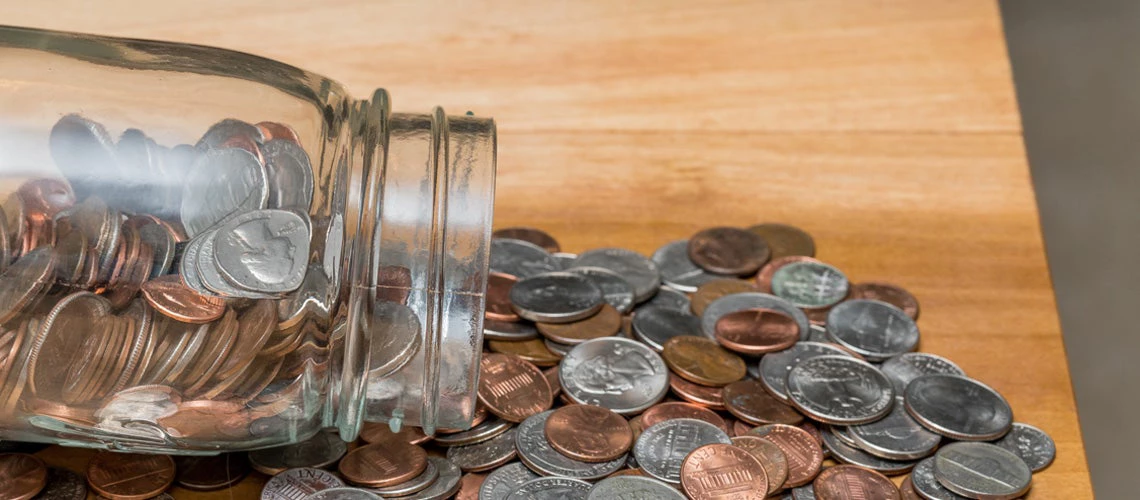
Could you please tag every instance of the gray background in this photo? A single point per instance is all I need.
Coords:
(1076, 66)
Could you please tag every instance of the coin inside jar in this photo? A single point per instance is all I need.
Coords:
(498, 306)
(757, 331)
(728, 250)
(703, 361)
(588, 433)
(848, 481)
(715, 470)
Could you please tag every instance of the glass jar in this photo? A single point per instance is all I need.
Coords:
(204, 250)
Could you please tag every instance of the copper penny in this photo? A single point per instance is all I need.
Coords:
(379, 432)
(383, 464)
(129, 476)
(170, 296)
(46, 197)
(551, 375)
(810, 428)
(804, 454)
(757, 331)
(907, 491)
(740, 427)
(498, 306)
(715, 289)
(588, 433)
(748, 401)
(469, 486)
(245, 142)
(718, 471)
(529, 235)
(628, 472)
(675, 409)
(211, 473)
(255, 326)
(703, 361)
(274, 130)
(712, 397)
(207, 421)
(771, 457)
(512, 389)
(764, 277)
(728, 250)
(605, 323)
(531, 350)
(21, 476)
(844, 482)
(784, 240)
(892, 294)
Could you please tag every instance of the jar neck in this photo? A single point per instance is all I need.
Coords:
(417, 227)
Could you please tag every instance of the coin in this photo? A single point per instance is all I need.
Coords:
(263, 251)
(889, 293)
(375, 432)
(127, 476)
(896, 437)
(62, 484)
(21, 476)
(632, 486)
(511, 388)
(552, 488)
(469, 486)
(170, 296)
(565, 260)
(703, 361)
(710, 291)
(535, 451)
(210, 473)
(712, 397)
(904, 368)
(958, 407)
(639, 271)
(498, 306)
(502, 481)
(588, 433)
(839, 390)
(907, 491)
(289, 175)
(413, 485)
(1035, 447)
(222, 182)
(770, 456)
(668, 298)
(225, 129)
(616, 291)
(508, 331)
(160, 240)
(383, 464)
(810, 284)
(845, 453)
(531, 235)
(319, 451)
(678, 270)
(298, 484)
(667, 411)
(606, 322)
(751, 300)
(656, 325)
(556, 298)
(756, 331)
(661, 448)
(620, 374)
(981, 470)
(60, 338)
(445, 486)
(716, 470)
(847, 481)
(520, 259)
(484, 455)
(24, 280)
(343, 493)
(927, 486)
(748, 401)
(728, 250)
(84, 151)
(784, 240)
(480, 432)
(800, 448)
(274, 130)
(875, 330)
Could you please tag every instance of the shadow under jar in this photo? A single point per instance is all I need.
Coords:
(203, 250)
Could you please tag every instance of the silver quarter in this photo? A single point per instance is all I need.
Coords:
(396, 337)
(902, 369)
(222, 182)
(208, 273)
(551, 488)
(669, 298)
(162, 242)
(774, 367)
(805, 492)
(751, 300)
(557, 347)
(484, 455)
(616, 291)
(896, 437)
(656, 325)
(958, 407)
(290, 175)
(661, 448)
(556, 297)
(63, 484)
(345, 493)
(623, 375)
(264, 251)
(502, 481)
(222, 131)
(926, 485)
(446, 485)
(535, 451)
(1035, 447)
(631, 487)
(844, 453)
(818, 334)
(840, 390)
(639, 271)
(876, 330)
(565, 259)
(810, 284)
(485, 430)
(508, 330)
(298, 484)
(413, 485)
(678, 270)
(521, 259)
(319, 451)
(84, 151)
(840, 432)
(981, 470)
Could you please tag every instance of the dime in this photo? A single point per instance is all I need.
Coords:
(606, 322)
(800, 448)
(667, 411)
(981, 470)
(170, 296)
(715, 470)
(840, 390)
(748, 401)
(556, 298)
(413, 485)
(63, 484)
(886, 292)
(383, 464)
(445, 486)
(678, 270)
(771, 458)
(875, 330)
(588, 433)
(1031, 444)
(263, 251)
(343, 493)
(784, 240)
(535, 451)
(160, 240)
(616, 291)
(396, 338)
(484, 455)
(222, 182)
(712, 397)
(847, 481)
(620, 374)
(661, 448)
(844, 453)
(904, 368)
(551, 488)
(298, 484)
(565, 259)
(632, 486)
(703, 361)
(531, 235)
(639, 271)
(656, 325)
(480, 432)
(21, 476)
(126, 476)
(751, 300)
(668, 298)
(810, 284)
(508, 331)
(511, 388)
(958, 407)
(318, 452)
(728, 250)
(896, 437)
(210, 473)
(502, 481)
(927, 486)
(498, 306)
(756, 331)
(520, 259)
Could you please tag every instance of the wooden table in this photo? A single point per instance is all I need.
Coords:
(889, 130)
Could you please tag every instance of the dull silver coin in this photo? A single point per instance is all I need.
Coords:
(396, 337)
(63, 484)
(502, 481)
(558, 297)
(901, 369)
(810, 284)
(847, 454)
(805, 492)
(922, 477)
(840, 390)
(486, 429)
(535, 451)
(818, 334)
(895, 437)
(565, 259)
(321, 450)
(509, 330)
(413, 485)
(207, 271)
(616, 291)
(84, 152)
(774, 367)
(521, 259)
(551, 488)
(162, 243)
(345, 493)
(1035, 447)
(840, 432)
(557, 347)
(298, 484)
(958, 407)
(223, 130)
(662, 447)
(751, 300)
(639, 271)
(623, 375)
(446, 485)
(982, 470)
(290, 175)
(876, 330)
(656, 325)
(484, 455)
(631, 487)
(222, 182)
(264, 251)
(678, 270)
(669, 298)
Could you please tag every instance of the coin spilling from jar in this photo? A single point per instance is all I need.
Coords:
(726, 378)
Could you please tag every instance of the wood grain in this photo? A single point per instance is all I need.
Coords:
(889, 130)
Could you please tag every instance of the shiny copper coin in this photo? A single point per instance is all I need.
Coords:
(469, 486)
(170, 296)
(748, 401)
(784, 240)
(129, 476)
(757, 331)
(208, 421)
(244, 142)
(712, 397)
(907, 491)
(379, 432)
(740, 428)
(804, 454)
(606, 322)
(588, 433)
(810, 428)
(211, 473)
(715, 289)
(529, 235)
(764, 277)
(771, 457)
(844, 482)
(892, 294)
(498, 306)
(551, 375)
(703, 361)
(274, 130)
(511, 388)
(532, 350)
(383, 464)
(21, 476)
(674, 409)
(629, 472)
(46, 197)
(728, 250)
(718, 471)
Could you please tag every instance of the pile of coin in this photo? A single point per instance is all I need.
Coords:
(161, 297)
